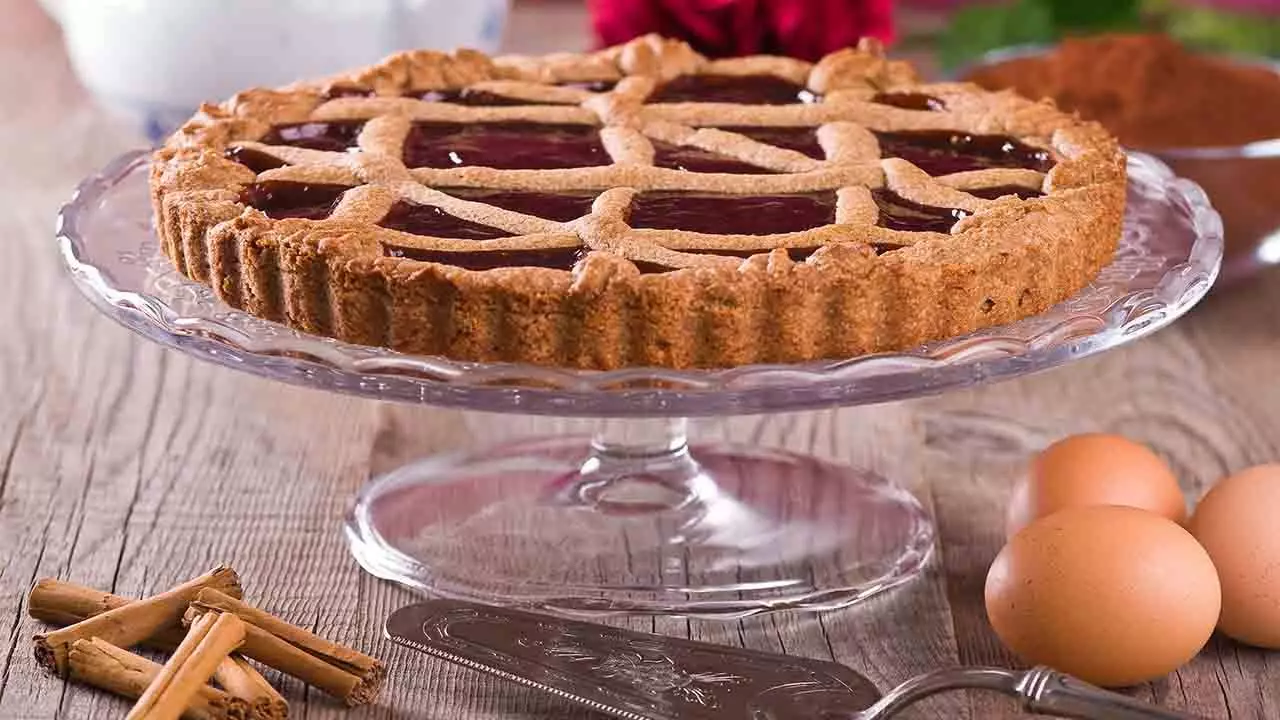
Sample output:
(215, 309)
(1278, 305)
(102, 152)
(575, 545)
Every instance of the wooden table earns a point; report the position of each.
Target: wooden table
(129, 467)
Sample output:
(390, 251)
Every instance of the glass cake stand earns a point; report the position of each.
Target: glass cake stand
(635, 519)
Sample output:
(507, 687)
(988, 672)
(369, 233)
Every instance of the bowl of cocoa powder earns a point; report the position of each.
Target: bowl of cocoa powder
(1213, 119)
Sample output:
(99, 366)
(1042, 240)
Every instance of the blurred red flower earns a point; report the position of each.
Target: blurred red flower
(1259, 6)
(936, 4)
(806, 29)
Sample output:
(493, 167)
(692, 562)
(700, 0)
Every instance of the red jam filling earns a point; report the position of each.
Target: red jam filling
(899, 213)
(282, 199)
(692, 159)
(432, 221)
(333, 136)
(732, 214)
(554, 258)
(504, 145)
(737, 89)
(255, 160)
(941, 152)
(910, 101)
(801, 139)
(560, 206)
(661, 210)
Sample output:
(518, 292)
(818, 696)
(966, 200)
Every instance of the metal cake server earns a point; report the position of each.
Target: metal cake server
(640, 676)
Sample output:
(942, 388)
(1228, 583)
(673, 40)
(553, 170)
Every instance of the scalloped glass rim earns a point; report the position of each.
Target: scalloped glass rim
(1169, 257)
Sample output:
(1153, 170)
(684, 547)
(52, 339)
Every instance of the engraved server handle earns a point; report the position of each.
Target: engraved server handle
(1041, 690)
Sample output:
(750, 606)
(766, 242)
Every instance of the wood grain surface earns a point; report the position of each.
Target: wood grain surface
(130, 468)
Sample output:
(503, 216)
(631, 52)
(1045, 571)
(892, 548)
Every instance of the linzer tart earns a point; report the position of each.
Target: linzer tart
(641, 205)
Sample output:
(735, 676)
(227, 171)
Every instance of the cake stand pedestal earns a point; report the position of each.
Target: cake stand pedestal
(635, 519)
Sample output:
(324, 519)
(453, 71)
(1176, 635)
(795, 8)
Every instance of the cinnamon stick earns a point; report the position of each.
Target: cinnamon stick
(62, 603)
(103, 665)
(242, 680)
(347, 674)
(131, 623)
(210, 640)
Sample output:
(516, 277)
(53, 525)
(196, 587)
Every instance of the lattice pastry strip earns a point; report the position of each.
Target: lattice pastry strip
(852, 150)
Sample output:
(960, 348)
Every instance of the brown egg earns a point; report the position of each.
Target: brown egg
(1236, 522)
(1095, 469)
(1111, 594)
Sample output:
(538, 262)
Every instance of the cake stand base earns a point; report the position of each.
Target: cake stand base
(634, 520)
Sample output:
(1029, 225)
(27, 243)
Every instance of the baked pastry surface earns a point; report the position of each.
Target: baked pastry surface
(638, 206)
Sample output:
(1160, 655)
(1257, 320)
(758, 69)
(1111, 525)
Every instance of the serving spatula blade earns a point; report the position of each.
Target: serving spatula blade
(629, 675)
(642, 676)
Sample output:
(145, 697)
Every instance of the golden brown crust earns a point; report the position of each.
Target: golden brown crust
(1008, 259)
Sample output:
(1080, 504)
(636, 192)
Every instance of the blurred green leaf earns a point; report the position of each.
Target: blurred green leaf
(980, 28)
(1108, 15)
(1245, 33)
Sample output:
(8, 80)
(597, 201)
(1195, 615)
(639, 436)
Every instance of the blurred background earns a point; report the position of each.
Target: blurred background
(155, 60)
(959, 31)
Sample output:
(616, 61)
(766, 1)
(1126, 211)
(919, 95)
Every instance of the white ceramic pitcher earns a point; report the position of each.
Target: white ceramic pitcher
(157, 60)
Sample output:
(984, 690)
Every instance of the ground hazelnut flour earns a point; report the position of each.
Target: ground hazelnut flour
(1149, 91)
